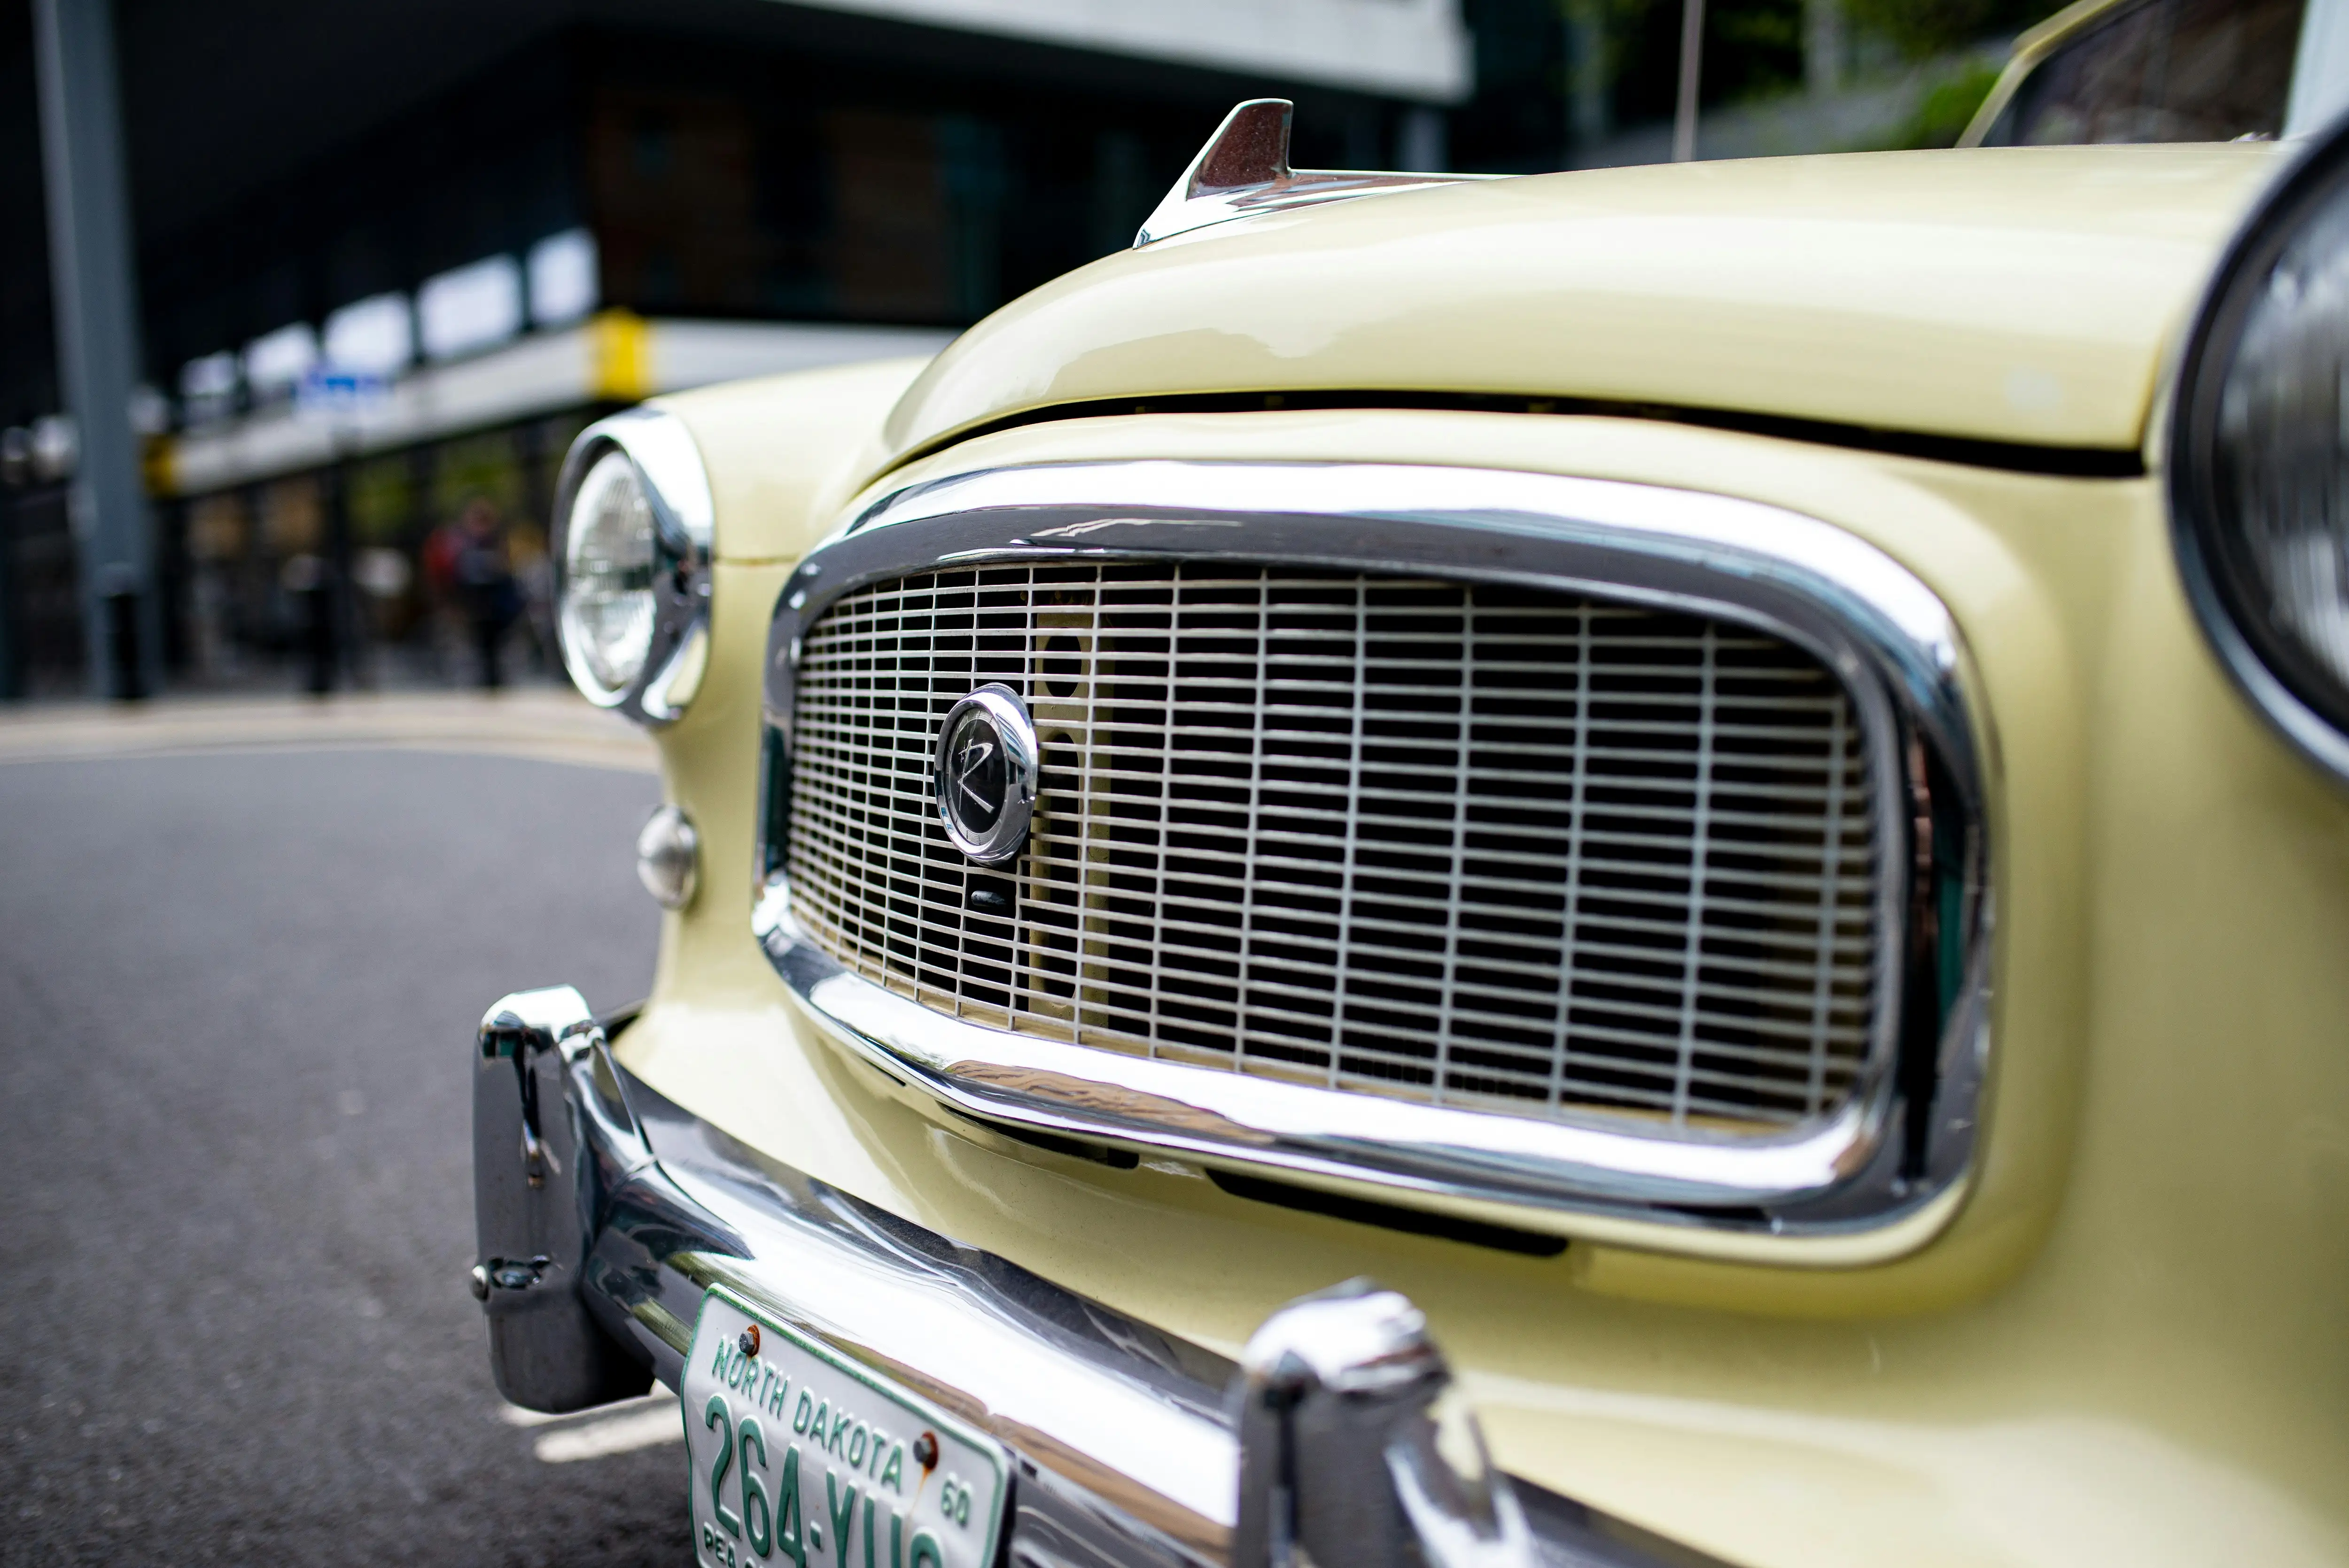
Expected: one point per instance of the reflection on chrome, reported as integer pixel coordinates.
(668, 857)
(1130, 1444)
(1341, 1455)
(2259, 458)
(634, 528)
(1243, 169)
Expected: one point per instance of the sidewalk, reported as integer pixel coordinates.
(544, 724)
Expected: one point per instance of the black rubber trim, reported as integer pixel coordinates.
(619, 1017)
(2224, 587)
(1365, 1211)
(1075, 1148)
(2013, 456)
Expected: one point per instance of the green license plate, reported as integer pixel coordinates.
(798, 1455)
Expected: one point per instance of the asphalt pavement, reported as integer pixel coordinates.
(236, 994)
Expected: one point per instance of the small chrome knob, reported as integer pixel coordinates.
(668, 857)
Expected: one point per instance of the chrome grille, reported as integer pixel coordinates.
(1478, 845)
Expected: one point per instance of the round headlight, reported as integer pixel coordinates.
(609, 559)
(2260, 457)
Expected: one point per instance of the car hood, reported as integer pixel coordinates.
(2009, 294)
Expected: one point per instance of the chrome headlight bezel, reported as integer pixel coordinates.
(669, 466)
(2307, 706)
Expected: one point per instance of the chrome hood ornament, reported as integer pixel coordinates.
(1243, 168)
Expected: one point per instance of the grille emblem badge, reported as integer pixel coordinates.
(986, 773)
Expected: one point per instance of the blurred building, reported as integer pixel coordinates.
(386, 260)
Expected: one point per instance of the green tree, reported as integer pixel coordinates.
(1923, 28)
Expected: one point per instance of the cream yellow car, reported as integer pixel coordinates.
(1633, 867)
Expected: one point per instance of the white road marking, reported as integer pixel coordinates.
(542, 723)
(515, 1416)
(613, 1435)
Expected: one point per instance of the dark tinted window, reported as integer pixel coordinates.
(2164, 70)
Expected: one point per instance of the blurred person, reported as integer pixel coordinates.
(485, 586)
(438, 559)
(309, 588)
(534, 571)
(445, 632)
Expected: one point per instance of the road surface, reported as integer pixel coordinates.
(236, 994)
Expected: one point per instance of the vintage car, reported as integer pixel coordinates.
(1636, 867)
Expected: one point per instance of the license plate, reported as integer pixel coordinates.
(797, 1455)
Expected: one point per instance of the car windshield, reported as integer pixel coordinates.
(2161, 70)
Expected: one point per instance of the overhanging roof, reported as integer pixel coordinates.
(614, 358)
(1407, 48)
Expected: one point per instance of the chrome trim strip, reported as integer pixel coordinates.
(1865, 616)
(685, 517)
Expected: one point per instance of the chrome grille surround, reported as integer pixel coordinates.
(1373, 858)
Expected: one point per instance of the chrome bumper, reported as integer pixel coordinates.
(604, 1212)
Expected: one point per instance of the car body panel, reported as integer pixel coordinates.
(2024, 295)
(2125, 1347)
(781, 448)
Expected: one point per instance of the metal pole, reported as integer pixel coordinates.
(95, 302)
(342, 655)
(11, 675)
(1588, 109)
(1822, 47)
(1691, 67)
